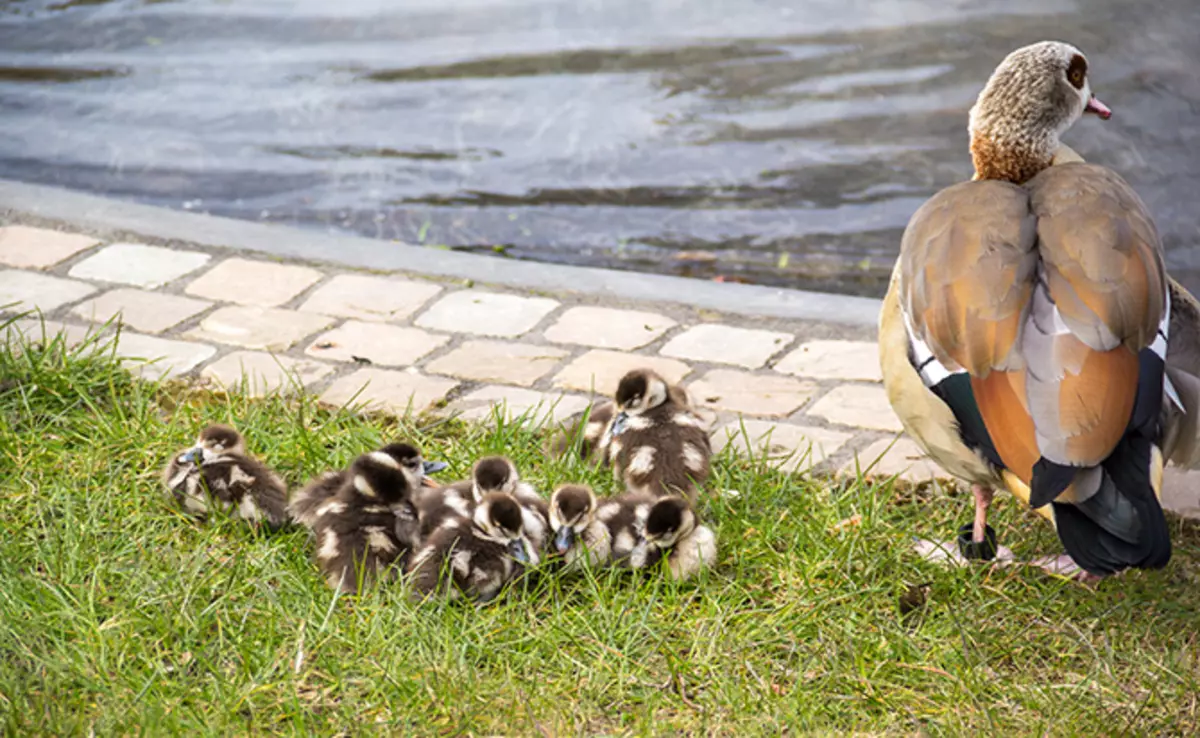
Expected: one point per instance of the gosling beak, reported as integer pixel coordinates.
(1098, 108)
(433, 467)
(639, 554)
(619, 423)
(564, 539)
(192, 455)
(517, 549)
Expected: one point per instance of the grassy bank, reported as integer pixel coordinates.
(120, 615)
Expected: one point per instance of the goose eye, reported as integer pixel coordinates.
(1077, 77)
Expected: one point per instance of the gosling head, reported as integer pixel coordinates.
(390, 475)
(493, 474)
(498, 518)
(572, 510)
(414, 467)
(669, 520)
(1034, 96)
(214, 442)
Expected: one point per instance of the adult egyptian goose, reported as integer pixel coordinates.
(1031, 339)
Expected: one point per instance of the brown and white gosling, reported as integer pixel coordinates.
(217, 472)
(366, 530)
(673, 529)
(656, 443)
(476, 556)
(644, 529)
(580, 538)
(304, 503)
(489, 474)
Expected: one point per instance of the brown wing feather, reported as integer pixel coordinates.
(968, 260)
(1101, 253)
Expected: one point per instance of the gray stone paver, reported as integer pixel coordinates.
(841, 360)
(164, 357)
(782, 445)
(390, 391)
(600, 371)
(247, 282)
(724, 344)
(486, 313)
(823, 390)
(138, 265)
(374, 343)
(22, 290)
(149, 312)
(608, 328)
(860, 406)
(38, 248)
(751, 394)
(253, 327)
(894, 457)
(512, 402)
(32, 330)
(498, 361)
(259, 373)
(370, 298)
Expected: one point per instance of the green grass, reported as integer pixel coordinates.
(119, 615)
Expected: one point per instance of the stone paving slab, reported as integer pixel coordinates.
(805, 394)
(39, 248)
(246, 282)
(138, 265)
(751, 394)
(397, 392)
(486, 313)
(837, 360)
(513, 402)
(723, 344)
(21, 291)
(149, 312)
(370, 298)
(600, 371)
(259, 373)
(781, 445)
(521, 364)
(608, 328)
(374, 343)
(156, 358)
(270, 329)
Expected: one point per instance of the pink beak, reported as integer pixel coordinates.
(1097, 107)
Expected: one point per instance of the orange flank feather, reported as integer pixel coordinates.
(1094, 406)
(1001, 400)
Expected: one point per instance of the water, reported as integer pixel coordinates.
(773, 141)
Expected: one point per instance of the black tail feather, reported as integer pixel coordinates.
(1049, 481)
(1101, 535)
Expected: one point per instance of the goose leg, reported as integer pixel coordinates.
(983, 500)
(977, 540)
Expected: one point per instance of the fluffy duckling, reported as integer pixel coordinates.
(480, 554)
(489, 474)
(624, 516)
(672, 528)
(370, 524)
(579, 536)
(217, 470)
(305, 502)
(656, 443)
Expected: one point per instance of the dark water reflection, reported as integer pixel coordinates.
(783, 142)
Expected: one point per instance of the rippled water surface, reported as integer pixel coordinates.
(776, 141)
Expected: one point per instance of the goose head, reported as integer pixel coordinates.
(1033, 97)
